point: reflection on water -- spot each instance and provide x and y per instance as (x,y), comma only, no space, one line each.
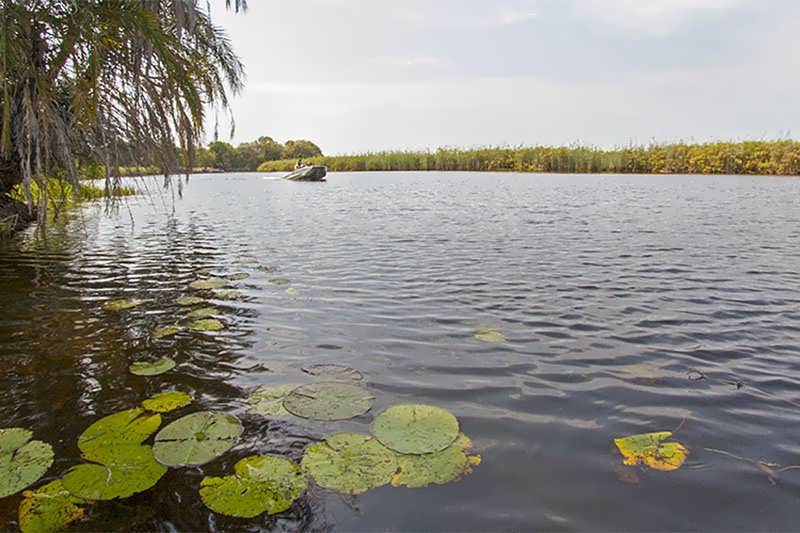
(611,291)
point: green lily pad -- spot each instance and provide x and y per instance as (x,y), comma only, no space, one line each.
(333,371)
(132,426)
(328,401)
(145,368)
(196,439)
(187,301)
(262,484)
(268,400)
(123,470)
(166,331)
(49,508)
(653,450)
(415,428)
(490,335)
(238,276)
(164,402)
(350,463)
(210,283)
(435,468)
(22,460)
(280,281)
(268,269)
(204,312)
(206,324)
(229,294)
(123,305)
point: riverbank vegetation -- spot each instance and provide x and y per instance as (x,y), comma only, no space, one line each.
(780,158)
(249,155)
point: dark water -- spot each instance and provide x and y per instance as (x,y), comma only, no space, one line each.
(610,289)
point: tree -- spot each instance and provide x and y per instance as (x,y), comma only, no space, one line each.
(107,81)
(225,156)
(252,154)
(300,149)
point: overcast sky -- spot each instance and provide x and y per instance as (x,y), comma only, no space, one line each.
(365,75)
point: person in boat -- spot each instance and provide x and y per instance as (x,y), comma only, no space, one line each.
(299,164)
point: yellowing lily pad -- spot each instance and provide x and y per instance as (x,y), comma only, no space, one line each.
(189,300)
(22,460)
(164,402)
(490,335)
(415,428)
(166,331)
(328,401)
(435,468)
(123,305)
(123,470)
(291,291)
(334,372)
(132,426)
(196,439)
(49,508)
(262,484)
(210,283)
(350,463)
(652,450)
(203,312)
(206,324)
(268,400)
(154,368)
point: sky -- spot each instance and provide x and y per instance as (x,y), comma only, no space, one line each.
(369,75)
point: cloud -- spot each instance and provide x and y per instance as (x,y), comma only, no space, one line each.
(512,16)
(411,61)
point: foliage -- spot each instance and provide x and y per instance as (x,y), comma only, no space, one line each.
(301,149)
(328,401)
(415,428)
(268,400)
(155,368)
(165,402)
(196,439)
(490,335)
(653,450)
(22,460)
(749,157)
(49,508)
(206,324)
(438,468)
(249,155)
(333,371)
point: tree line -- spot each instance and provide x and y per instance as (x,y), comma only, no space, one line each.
(249,155)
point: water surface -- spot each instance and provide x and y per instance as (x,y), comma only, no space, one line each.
(612,291)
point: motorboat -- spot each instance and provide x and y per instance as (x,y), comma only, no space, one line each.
(309,173)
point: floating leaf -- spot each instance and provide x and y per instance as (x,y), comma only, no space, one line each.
(262,484)
(652,450)
(206,324)
(49,508)
(334,371)
(490,335)
(124,470)
(280,281)
(164,402)
(328,401)
(132,426)
(350,463)
(204,312)
(267,269)
(239,276)
(210,283)
(291,291)
(189,300)
(144,368)
(245,261)
(268,400)
(229,294)
(122,305)
(22,460)
(415,428)
(435,468)
(166,331)
(196,439)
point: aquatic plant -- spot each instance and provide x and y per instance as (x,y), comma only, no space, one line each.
(333,371)
(123,305)
(165,402)
(653,450)
(49,508)
(196,439)
(154,368)
(268,400)
(187,301)
(415,428)
(490,335)
(22,460)
(210,283)
(437,468)
(328,401)
(206,324)
(166,331)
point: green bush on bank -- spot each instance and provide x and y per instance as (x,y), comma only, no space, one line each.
(748,157)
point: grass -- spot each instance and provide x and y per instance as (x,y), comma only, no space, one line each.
(749,157)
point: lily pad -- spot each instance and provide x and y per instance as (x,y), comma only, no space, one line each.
(268,400)
(245,261)
(328,401)
(229,294)
(291,291)
(490,335)
(196,439)
(123,470)
(187,301)
(206,324)
(22,460)
(164,402)
(416,428)
(268,269)
(204,312)
(350,463)
(435,468)
(334,371)
(262,484)
(210,283)
(132,426)
(49,508)
(123,305)
(238,276)
(154,368)
(652,450)
(166,331)
(280,281)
